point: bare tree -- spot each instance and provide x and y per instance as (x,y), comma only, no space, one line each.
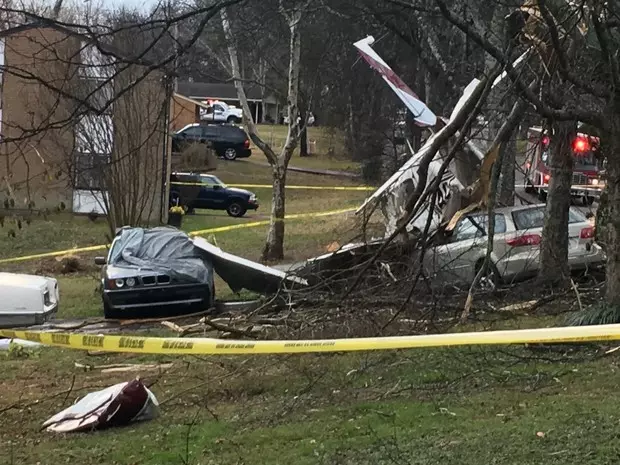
(109,128)
(274,245)
(575,46)
(121,156)
(554,248)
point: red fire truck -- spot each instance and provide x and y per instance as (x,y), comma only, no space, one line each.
(587,168)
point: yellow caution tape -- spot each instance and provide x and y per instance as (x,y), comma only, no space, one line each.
(208,346)
(200,232)
(231,227)
(269,186)
(54,254)
(266,222)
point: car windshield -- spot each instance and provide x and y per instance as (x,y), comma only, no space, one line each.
(476,226)
(212,181)
(114,248)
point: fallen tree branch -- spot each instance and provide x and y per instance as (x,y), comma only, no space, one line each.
(229,329)
(499,145)
(463,121)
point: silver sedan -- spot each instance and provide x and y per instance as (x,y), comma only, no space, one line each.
(516,246)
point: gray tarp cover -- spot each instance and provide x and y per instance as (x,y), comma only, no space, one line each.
(163,249)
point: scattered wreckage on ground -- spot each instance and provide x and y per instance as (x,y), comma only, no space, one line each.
(162,271)
(117,405)
(456,220)
(147,273)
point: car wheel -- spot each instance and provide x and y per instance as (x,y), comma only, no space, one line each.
(232,120)
(235,209)
(230,154)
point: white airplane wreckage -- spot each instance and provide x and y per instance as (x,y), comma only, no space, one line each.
(445,179)
(461,179)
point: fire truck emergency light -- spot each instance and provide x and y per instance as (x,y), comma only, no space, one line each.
(581,145)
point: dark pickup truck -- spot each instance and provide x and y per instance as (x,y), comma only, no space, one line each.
(195,190)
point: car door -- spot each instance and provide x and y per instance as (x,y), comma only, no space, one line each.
(188,189)
(219,115)
(211,195)
(454,260)
(211,134)
(189,136)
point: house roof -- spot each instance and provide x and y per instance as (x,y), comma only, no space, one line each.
(216,91)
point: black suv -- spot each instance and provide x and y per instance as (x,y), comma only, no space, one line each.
(195,190)
(228,141)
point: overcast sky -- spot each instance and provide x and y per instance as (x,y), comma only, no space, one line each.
(141,5)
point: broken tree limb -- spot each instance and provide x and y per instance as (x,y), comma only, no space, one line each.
(463,119)
(491,234)
(493,161)
(420,268)
(480,189)
(229,329)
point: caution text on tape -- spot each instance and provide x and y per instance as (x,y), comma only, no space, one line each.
(208,346)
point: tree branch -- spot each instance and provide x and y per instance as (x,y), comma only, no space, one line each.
(562,114)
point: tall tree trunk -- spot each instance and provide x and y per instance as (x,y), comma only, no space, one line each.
(274,246)
(612,213)
(506,191)
(554,269)
(303,141)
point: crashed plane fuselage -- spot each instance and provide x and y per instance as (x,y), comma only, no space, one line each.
(454,188)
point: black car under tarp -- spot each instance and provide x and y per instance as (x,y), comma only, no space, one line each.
(169,251)
(164,250)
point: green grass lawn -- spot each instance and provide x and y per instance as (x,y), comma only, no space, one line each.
(305,237)
(59,231)
(461,406)
(456,406)
(330,152)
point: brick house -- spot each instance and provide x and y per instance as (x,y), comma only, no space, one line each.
(67,143)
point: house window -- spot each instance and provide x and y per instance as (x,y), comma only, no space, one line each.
(95,65)
(98,95)
(94,134)
(96,78)
(94,131)
(93,148)
(90,171)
